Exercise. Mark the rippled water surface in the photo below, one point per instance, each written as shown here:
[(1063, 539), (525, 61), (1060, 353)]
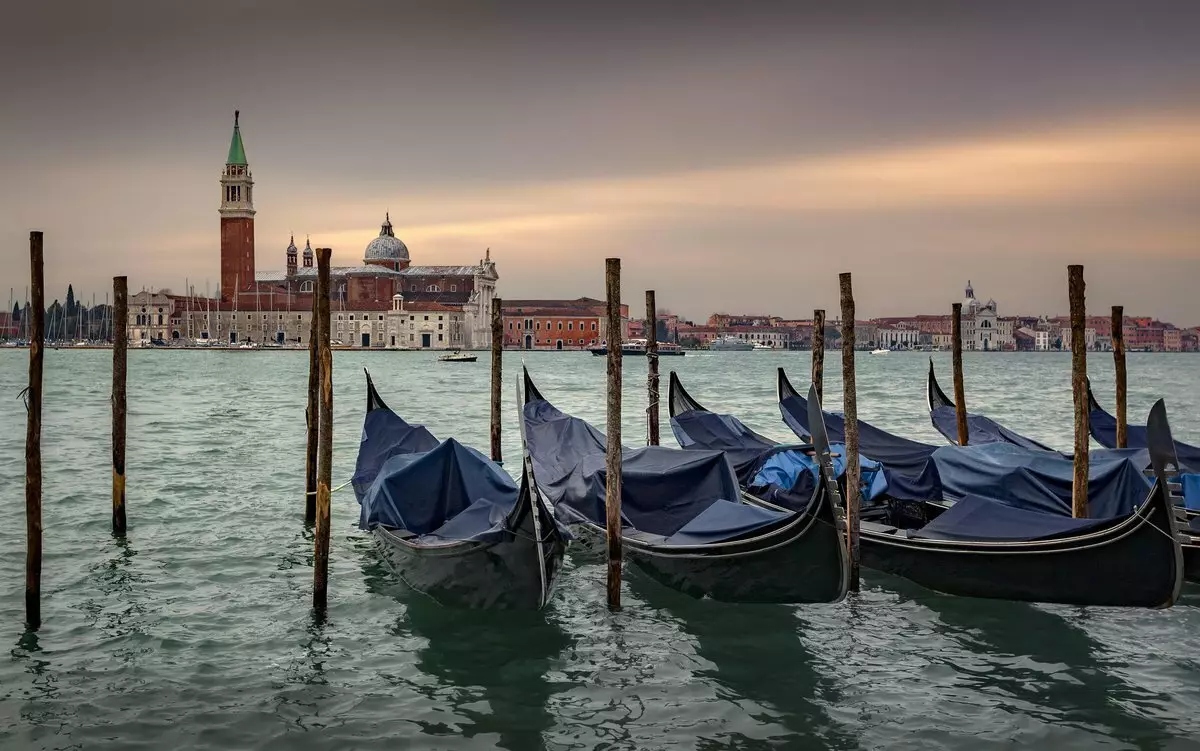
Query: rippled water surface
[(196, 632)]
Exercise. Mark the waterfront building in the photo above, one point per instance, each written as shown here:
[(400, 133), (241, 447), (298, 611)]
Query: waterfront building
[(558, 324), (897, 337), (276, 306)]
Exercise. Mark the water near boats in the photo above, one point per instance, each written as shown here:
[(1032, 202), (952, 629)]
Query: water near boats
[(196, 631)]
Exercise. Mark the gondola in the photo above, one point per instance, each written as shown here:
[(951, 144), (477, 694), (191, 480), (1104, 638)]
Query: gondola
[(450, 523), (1102, 427), (1006, 541), (684, 520)]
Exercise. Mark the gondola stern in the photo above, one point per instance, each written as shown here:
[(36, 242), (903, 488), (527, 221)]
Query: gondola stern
[(678, 399), (1165, 463), (934, 395), (529, 390), (374, 401)]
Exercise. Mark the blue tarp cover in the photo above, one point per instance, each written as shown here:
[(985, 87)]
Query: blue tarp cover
[(1103, 428), (975, 518), (662, 490), (980, 430), (1191, 491), (385, 434), (1032, 479), (452, 492), (763, 464)]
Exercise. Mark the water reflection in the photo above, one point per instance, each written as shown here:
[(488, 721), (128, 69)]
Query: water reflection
[(490, 666), (757, 653), (1038, 663)]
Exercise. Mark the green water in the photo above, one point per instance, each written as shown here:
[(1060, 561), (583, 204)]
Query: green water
[(196, 632)]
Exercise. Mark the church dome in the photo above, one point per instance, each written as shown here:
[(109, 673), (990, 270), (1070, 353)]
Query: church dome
[(386, 247)]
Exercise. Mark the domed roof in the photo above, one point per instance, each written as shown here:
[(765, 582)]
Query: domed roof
[(291, 248), (386, 247), (308, 252)]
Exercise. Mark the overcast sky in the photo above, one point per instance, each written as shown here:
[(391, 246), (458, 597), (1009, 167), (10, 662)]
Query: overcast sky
[(736, 157)]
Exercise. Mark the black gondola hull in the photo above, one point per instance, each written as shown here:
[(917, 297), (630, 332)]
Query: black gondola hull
[(805, 562), (514, 573), (1135, 563)]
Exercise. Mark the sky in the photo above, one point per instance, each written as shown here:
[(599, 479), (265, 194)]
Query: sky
[(735, 156)]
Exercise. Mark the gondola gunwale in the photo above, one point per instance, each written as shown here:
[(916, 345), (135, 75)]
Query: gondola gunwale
[(792, 532)]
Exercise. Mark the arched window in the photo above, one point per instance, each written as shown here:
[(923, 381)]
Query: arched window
[(433, 288), (306, 286)]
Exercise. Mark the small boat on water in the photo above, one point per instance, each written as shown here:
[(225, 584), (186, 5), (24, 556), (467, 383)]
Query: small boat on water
[(638, 348), (450, 522), (730, 343), (685, 522), (880, 351), (457, 356), (991, 520)]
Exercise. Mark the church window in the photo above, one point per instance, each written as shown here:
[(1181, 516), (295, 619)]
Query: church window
[(569, 324), (560, 325), (593, 325), (510, 325), (306, 286), (339, 316), (538, 325), (160, 319), (453, 287), (433, 288)]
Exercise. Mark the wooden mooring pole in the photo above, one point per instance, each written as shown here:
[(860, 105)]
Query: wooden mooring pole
[(311, 415), (960, 395), (497, 373), (33, 438), (652, 367), (1118, 345), (850, 411), (1079, 488), (120, 362), (818, 354), (612, 486), (324, 436)]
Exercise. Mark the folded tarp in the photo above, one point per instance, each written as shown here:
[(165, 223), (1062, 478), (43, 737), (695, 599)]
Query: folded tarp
[(452, 492), (662, 489), (974, 519), (385, 434), (724, 520), (980, 430)]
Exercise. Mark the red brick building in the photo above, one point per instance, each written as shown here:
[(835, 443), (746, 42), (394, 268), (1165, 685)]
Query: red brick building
[(558, 324)]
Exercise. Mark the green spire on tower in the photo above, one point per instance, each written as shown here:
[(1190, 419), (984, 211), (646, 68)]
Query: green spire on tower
[(237, 152)]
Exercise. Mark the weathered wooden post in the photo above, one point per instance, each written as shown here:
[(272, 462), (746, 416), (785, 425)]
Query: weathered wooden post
[(652, 365), (311, 414), (120, 361), (960, 395), (324, 436), (497, 372), (850, 411), (1118, 344), (818, 353), (33, 438), (1079, 488), (612, 486)]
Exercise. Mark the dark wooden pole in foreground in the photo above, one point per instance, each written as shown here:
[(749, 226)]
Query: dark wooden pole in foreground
[(497, 372), (612, 486), (324, 437), (652, 364), (311, 413), (960, 394), (1079, 488), (818, 353), (33, 438), (1118, 343), (120, 360), (850, 410)]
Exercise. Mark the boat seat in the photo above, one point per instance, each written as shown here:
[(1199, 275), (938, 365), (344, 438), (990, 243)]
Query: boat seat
[(649, 538)]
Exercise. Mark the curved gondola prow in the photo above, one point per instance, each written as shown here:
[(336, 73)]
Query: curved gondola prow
[(528, 391), (1161, 444), (934, 395), (829, 481), (785, 388), (374, 401), (679, 400), (1093, 405)]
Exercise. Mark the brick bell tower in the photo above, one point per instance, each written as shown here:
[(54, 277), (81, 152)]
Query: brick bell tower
[(237, 219)]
